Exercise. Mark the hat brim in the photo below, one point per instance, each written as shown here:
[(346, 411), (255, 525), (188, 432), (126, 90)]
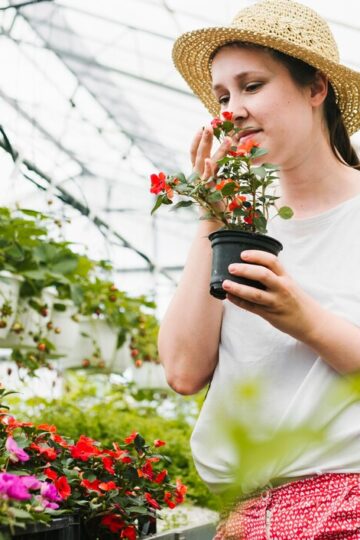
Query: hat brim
[(192, 53)]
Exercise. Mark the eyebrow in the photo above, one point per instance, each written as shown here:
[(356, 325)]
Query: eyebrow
[(240, 77)]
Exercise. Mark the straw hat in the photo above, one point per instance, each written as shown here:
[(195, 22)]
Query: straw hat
[(284, 25)]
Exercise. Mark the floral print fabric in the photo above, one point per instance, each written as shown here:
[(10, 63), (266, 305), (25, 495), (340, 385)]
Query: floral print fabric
[(323, 507)]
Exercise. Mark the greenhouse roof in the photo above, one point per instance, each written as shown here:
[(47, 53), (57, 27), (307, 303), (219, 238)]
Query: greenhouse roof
[(91, 105)]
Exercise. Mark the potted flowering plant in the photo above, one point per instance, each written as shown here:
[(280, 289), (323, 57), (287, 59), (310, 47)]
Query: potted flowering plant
[(239, 197), (116, 492)]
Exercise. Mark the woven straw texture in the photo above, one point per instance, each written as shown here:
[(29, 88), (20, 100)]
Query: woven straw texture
[(283, 25)]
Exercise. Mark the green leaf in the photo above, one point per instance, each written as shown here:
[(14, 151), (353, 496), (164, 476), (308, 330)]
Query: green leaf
[(215, 196), (162, 199), (258, 152), (285, 212), (229, 189), (259, 171), (65, 266), (20, 513), (260, 224), (227, 126), (182, 204), (181, 176), (59, 307)]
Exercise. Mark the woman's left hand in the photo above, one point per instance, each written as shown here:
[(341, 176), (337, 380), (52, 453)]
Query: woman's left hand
[(283, 304)]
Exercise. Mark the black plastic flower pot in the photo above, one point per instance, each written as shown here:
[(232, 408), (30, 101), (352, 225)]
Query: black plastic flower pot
[(227, 246), (58, 529)]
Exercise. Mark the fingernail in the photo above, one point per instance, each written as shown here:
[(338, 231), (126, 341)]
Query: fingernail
[(231, 268), (245, 254)]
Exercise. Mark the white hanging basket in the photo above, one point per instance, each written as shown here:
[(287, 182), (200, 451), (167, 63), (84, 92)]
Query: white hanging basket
[(96, 337), (65, 331), (9, 294), (149, 375), (32, 322), (122, 359)]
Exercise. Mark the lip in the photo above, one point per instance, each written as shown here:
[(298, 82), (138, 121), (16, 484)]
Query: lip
[(248, 134)]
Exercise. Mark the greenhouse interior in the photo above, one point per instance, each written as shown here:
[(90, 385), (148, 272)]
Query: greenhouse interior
[(91, 107)]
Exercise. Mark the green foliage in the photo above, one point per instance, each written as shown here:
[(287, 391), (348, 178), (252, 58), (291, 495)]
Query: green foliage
[(110, 412), (29, 249)]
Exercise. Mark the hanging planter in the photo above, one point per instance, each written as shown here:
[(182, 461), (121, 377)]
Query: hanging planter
[(150, 375), (63, 330), (95, 346), (9, 293), (227, 246), (30, 323), (122, 359)]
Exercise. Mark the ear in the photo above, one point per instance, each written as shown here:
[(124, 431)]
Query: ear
[(318, 89)]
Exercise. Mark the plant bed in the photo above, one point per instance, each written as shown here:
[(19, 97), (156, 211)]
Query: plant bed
[(63, 528)]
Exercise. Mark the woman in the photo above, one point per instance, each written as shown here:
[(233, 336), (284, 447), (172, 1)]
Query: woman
[(276, 69)]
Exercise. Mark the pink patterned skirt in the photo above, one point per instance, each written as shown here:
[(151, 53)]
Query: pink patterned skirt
[(322, 507)]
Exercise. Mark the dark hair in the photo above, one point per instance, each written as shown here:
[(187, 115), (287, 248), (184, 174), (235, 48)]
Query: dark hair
[(303, 74)]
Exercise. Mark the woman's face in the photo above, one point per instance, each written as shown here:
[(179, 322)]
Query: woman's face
[(260, 92)]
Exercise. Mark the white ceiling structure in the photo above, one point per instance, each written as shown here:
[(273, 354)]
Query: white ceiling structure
[(91, 105)]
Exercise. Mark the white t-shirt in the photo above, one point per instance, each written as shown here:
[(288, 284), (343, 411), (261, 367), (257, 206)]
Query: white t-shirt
[(322, 254)]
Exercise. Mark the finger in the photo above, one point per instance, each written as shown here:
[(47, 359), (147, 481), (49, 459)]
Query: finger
[(264, 258), (248, 306), (223, 149), (248, 294), (257, 273), (194, 146), (204, 150), (209, 169)]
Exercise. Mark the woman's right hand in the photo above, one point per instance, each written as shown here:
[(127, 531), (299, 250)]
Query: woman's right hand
[(204, 164)]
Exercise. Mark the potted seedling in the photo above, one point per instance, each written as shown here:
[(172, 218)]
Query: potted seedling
[(239, 197)]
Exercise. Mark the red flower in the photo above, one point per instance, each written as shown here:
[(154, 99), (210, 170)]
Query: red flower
[(84, 449), (180, 492), (246, 148), (50, 473), (223, 183), (113, 522), (158, 183), (45, 451), (129, 533), (152, 501), (216, 122), (160, 477), (179, 495), (59, 440), (130, 438), (63, 487), (108, 465), (227, 116), (91, 485), (158, 443), (12, 423), (237, 202), (249, 219), (47, 427), (146, 470), (107, 486), (168, 499)]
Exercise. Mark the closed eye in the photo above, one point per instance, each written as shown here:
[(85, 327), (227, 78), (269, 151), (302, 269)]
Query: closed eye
[(252, 87), (223, 100)]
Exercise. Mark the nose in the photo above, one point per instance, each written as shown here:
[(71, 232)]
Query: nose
[(237, 106)]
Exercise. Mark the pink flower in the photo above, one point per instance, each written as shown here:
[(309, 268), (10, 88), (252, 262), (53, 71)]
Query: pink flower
[(16, 453), (17, 487)]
